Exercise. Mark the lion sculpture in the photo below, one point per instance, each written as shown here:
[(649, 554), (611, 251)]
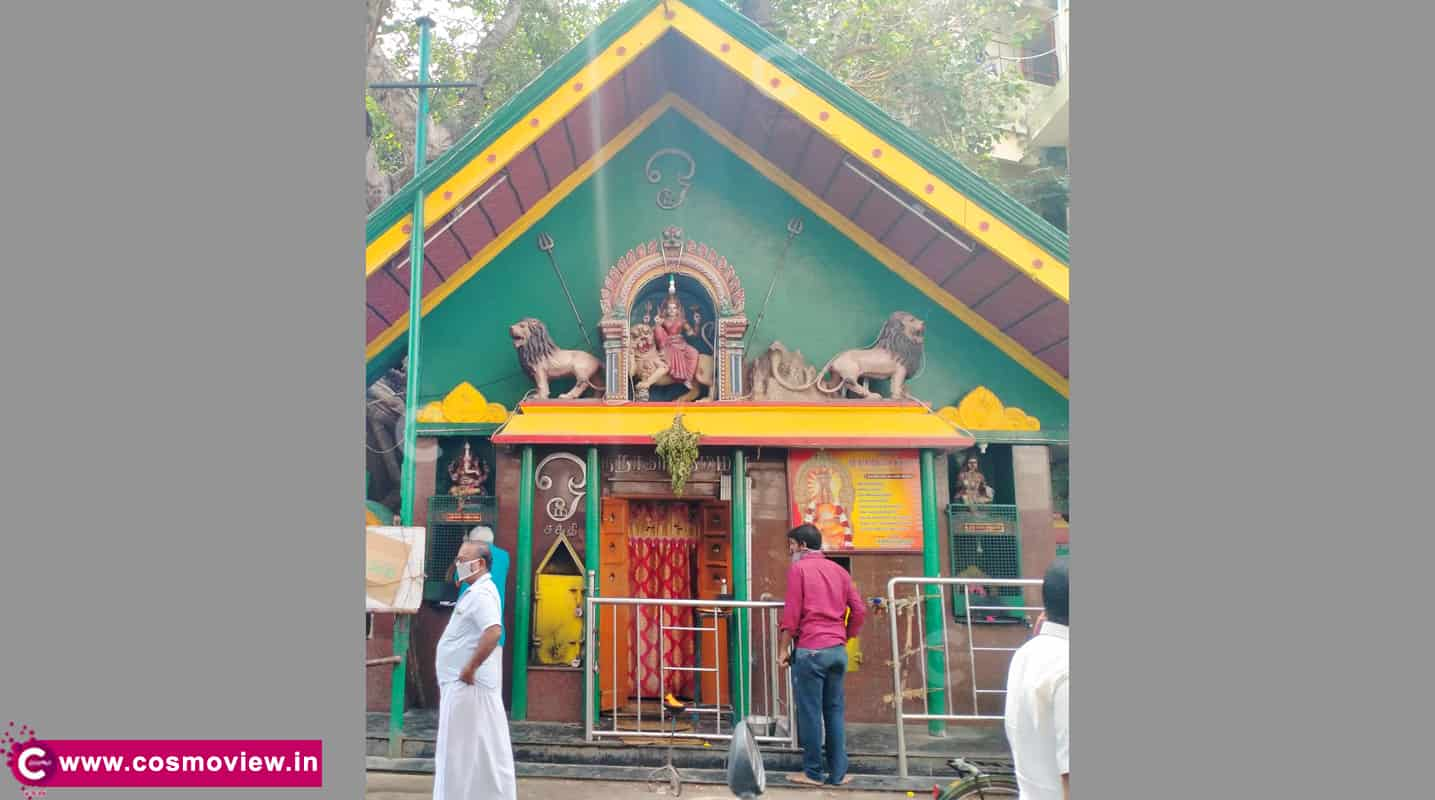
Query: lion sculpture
[(896, 356), (651, 369), (542, 359)]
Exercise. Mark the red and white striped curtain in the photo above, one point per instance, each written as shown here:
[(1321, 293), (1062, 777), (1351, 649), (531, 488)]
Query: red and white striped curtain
[(662, 542)]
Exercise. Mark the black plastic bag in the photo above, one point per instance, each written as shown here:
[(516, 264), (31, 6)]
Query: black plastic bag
[(745, 777)]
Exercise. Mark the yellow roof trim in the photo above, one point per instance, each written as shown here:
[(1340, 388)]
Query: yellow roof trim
[(849, 425), (1011, 347), (1024, 255), (817, 205)]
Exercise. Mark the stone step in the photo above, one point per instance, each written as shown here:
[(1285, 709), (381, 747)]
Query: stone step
[(685, 757), (710, 777)]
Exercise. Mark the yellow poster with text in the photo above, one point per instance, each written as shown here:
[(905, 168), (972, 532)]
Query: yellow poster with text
[(861, 500)]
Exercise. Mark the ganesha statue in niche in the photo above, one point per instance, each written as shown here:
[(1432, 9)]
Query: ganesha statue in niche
[(467, 474)]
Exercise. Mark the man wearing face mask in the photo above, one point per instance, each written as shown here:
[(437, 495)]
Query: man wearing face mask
[(499, 571), (473, 758), (822, 610)]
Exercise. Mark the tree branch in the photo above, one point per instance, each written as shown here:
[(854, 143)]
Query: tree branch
[(481, 65), (378, 9)]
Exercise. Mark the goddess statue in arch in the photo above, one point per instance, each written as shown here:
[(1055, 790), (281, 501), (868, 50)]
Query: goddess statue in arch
[(671, 334)]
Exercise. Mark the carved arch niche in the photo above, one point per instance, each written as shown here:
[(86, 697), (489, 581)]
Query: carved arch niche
[(705, 271)]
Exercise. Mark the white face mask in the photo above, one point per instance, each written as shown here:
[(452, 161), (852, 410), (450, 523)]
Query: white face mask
[(464, 570), (795, 556)]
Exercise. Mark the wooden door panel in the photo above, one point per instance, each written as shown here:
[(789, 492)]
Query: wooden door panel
[(613, 622)]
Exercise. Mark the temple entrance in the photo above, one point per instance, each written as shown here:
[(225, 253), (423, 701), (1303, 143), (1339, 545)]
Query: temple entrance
[(662, 548)]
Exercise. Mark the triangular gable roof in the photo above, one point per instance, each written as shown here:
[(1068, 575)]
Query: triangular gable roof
[(1012, 252)]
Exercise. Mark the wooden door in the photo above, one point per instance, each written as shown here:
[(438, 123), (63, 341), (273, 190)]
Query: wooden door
[(714, 578), (615, 685)]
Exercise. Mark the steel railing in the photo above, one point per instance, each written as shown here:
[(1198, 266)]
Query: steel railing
[(921, 593), (777, 703)]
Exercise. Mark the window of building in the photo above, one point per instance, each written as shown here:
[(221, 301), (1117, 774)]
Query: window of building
[(1039, 62)]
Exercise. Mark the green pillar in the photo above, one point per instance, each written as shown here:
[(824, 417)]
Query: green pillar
[(416, 262), (398, 686), (592, 511), (523, 567), (741, 662), (934, 616), (411, 387)]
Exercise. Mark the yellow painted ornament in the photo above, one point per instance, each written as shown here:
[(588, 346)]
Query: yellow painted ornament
[(432, 412), (981, 410), (464, 404)]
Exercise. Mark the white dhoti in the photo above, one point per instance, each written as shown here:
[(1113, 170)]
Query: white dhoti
[(473, 759)]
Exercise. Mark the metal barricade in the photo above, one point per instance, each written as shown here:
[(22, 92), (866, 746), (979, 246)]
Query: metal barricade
[(921, 594), (777, 702)]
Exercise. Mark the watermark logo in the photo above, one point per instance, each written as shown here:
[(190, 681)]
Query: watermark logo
[(31, 761), (40, 766)]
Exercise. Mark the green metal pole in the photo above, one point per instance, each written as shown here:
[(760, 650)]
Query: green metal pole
[(416, 262), (398, 686), (742, 664), (935, 618), (592, 511), (411, 388), (523, 566)]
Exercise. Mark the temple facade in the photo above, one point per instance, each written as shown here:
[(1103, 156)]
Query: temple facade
[(682, 293)]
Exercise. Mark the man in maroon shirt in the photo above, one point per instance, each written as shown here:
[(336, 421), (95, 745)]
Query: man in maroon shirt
[(820, 595)]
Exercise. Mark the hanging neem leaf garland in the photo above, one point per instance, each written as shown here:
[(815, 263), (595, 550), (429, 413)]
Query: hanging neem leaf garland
[(678, 451)]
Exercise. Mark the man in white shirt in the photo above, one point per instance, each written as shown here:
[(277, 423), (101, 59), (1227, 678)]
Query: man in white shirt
[(1037, 724), (473, 758)]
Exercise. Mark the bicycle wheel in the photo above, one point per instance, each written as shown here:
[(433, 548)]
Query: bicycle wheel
[(980, 788)]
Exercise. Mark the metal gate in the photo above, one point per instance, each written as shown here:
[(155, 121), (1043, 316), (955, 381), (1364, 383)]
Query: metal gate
[(972, 593), (761, 668)]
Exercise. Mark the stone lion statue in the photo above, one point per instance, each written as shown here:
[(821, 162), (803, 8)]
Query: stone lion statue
[(651, 369), (542, 359), (896, 356)]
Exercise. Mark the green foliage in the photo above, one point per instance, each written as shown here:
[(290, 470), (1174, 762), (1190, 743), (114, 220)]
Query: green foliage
[(386, 144), (546, 30), (928, 63), (678, 451)]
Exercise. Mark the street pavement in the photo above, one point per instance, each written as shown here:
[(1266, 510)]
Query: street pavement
[(404, 786)]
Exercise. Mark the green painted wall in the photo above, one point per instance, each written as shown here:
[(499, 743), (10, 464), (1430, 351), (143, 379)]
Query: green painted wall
[(831, 296)]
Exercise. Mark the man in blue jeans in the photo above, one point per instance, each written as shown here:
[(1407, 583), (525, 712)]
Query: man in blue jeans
[(820, 595)]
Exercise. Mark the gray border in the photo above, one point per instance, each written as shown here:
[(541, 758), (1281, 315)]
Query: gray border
[(1227, 228), (183, 314)]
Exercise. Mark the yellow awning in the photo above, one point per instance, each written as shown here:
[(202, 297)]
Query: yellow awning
[(851, 425)]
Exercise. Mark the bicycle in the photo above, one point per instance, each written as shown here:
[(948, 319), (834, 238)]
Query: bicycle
[(976, 783)]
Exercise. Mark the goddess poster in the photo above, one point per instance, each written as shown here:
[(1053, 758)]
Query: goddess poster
[(861, 500)]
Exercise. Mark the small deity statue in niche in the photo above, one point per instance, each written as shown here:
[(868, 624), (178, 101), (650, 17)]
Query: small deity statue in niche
[(972, 487), (468, 475), (671, 337)]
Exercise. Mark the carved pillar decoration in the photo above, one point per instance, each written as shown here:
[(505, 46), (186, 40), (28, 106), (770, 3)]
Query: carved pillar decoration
[(615, 361), (730, 364), (673, 255)]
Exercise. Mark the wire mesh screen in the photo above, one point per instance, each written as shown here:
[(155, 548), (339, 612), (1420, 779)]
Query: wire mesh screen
[(448, 523), (986, 543), (1061, 488)]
